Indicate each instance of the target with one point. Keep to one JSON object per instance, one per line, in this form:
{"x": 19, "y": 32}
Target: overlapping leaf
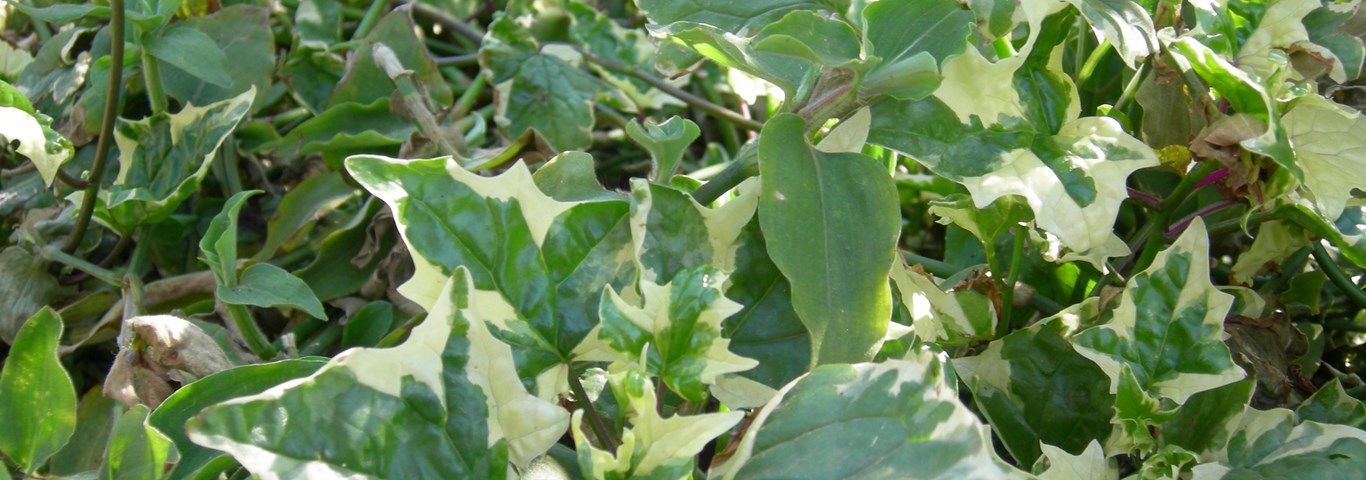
{"x": 36, "y": 395}
{"x": 1268, "y": 444}
{"x": 451, "y": 388}
{"x": 946, "y": 318}
{"x": 532, "y": 81}
{"x": 43, "y": 146}
{"x": 548, "y": 259}
{"x": 1168, "y": 329}
{"x": 1330, "y": 149}
{"x": 671, "y": 232}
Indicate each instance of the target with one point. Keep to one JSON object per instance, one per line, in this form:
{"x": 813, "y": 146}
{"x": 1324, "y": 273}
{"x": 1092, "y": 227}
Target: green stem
{"x": 467, "y": 99}
{"x": 469, "y": 32}
{"x": 1340, "y": 279}
{"x": 729, "y": 137}
{"x": 1003, "y": 48}
{"x": 743, "y": 167}
{"x": 40, "y": 27}
{"x": 938, "y": 268}
{"x": 1170, "y": 204}
{"x": 138, "y": 261}
{"x": 1093, "y": 61}
{"x": 52, "y": 253}
{"x": 1132, "y": 87}
{"x": 693, "y": 100}
{"x": 251, "y": 333}
{"x": 368, "y": 21}
{"x": 320, "y": 343}
{"x": 151, "y": 77}
{"x": 609, "y": 442}
{"x": 1013, "y": 276}
{"x": 396, "y": 337}
{"x": 111, "y": 112}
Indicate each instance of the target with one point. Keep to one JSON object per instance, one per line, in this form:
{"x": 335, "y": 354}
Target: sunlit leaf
{"x": 46, "y": 148}
{"x": 1268, "y": 444}
{"x": 37, "y": 398}
{"x": 1330, "y": 148}
{"x": 266, "y": 285}
{"x": 532, "y": 81}
{"x": 136, "y": 451}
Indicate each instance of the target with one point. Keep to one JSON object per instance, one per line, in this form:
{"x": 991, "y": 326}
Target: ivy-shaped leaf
{"x": 242, "y": 34}
{"x": 674, "y": 333}
{"x": 1034, "y": 388}
{"x": 548, "y": 259}
{"x": 37, "y": 398}
{"x": 1268, "y": 444}
{"x": 1330, "y": 149}
{"x": 451, "y": 387}
{"x": 666, "y": 142}
{"x": 1090, "y": 464}
{"x": 604, "y": 37}
{"x": 653, "y": 446}
{"x": 819, "y": 427}
{"x": 1203, "y": 424}
{"x": 162, "y": 159}
{"x": 948, "y": 318}
{"x": 831, "y": 224}
{"x": 1331, "y": 404}
{"x": 1282, "y": 28}
{"x": 1328, "y": 27}
{"x": 1124, "y": 23}
{"x": 1168, "y": 329}
{"x": 671, "y": 232}
{"x": 532, "y": 81}
{"x": 43, "y": 146}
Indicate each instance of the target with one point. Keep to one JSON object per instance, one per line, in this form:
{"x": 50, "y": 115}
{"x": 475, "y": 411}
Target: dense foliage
{"x": 1074, "y": 239}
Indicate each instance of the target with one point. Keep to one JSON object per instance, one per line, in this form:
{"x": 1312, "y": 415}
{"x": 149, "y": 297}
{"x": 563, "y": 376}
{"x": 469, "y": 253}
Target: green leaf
{"x": 451, "y": 387}
{"x": 37, "y": 398}
{"x": 318, "y": 23}
{"x": 191, "y": 51}
{"x": 364, "y": 82}
{"x": 162, "y": 159}
{"x": 671, "y": 232}
{"x": 570, "y": 177}
{"x": 1090, "y": 464}
{"x": 348, "y": 129}
{"x": 1168, "y": 328}
{"x": 1331, "y": 404}
{"x": 985, "y": 223}
{"x": 548, "y": 259}
{"x": 674, "y": 332}
{"x": 531, "y": 81}
{"x": 1124, "y": 23}
{"x": 831, "y": 224}
{"x": 913, "y": 38}
{"x": 1329, "y": 26}
{"x": 1078, "y": 175}
{"x": 331, "y": 279}
{"x": 170, "y": 417}
{"x": 46, "y": 148}
{"x": 898, "y": 419}
{"x": 1268, "y": 444}
{"x": 368, "y": 325}
{"x": 946, "y": 318}
{"x": 1033, "y": 387}
{"x": 266, "y": 285}
{"x": 301, "y": 207}
{"x": 243, "y": 34}
{"x": 63, "y": 13}
{"x": 94, "y": 421}
{"x": 1330, "y": 149}
{"x": 1205, "y": 421}
{"x": 219, "y": 244}
{"x": 602, "y": 35}
{"x": 653, "y": 446}
{"x": 767, "y": 329}
{"x": 1274, "y": 241}
{"x": 1282, "y": 28}
{"x": 666, "y": 142}
{"x": 26, "y": 286}
{"x": 136, "y": 451}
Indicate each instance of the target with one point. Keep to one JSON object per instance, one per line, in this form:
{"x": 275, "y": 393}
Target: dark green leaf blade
{"x": 37, "y": 398}
{"x": 266, "y": 285}
{"x": 191, "y": 51}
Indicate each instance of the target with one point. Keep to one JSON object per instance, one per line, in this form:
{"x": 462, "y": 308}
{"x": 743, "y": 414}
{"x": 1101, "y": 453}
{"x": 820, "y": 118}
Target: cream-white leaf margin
{"x": 973, "y": 85}
{"x": 1330, "y": 148}
{"x": 18, "y": 125}
{"x": 935, "y": 314}
{"x": 1282, "y": 27}
{"x": 1091, "y": 464}
{"x": 653, "y": 439}
{"x": 1302, "y": 439}
{"x": 723, "y": 223}
{"x": 529, "y": 425}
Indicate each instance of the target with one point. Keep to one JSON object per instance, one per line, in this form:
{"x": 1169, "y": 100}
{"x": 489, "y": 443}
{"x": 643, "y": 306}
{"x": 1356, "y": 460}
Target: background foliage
{"x": 682, "y": 239}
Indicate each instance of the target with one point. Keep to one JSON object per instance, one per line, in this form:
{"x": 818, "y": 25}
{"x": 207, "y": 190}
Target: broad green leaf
{"x": 43, "y": 146}
{"x": 653, "y": 446}
{"x": 896, "y": 419}
{"x": 1205, "y": 421}
{"x": 835, "y": 42}
{"x": 1168, "y": 329}
{"x": 451, "y": 388}
{"x": 1090, "y": 464}
{"x": 767, "y": 329}
{"x": 1331, "y": 26}
{"x": 666, "y": 142}
{"x": 63, "y": 13}
{"x": 1274, "y": 241}
{"x": 548, "y": 259}
{"x": 601, "y": 34}
{"x": 368, "y": 325}
{"x": 1282, "y": 28}
{"x": 219, "y": 244}
{"x": 738, "y": 18}
{"x": 986, "y": 223}
{"x": 318, "y": 23}
{"x": 300, "y": 207}
{"x": 37, "y": 398}
{"x": 1330, "y": 148}
{"x": 532, "y": 81}
{"x": 189, "y": 400}
{"x": 570, "y": 177}
{"x": 365, "y": 82}
{"x": 912, "y": 39}
{"x": 191, "y": 51}
{"x": 266, "y": 285}
{"x": 136, "y": 450}
{"x": 242, "y": 33}
{"x": 162, "y": 159}
{"x": 352, "y": 240}
{"x": 1331, "y": 404}
{"x": 1124, "y": 23}
{"x": 348, "y": 129}
{"x": 1244, "y": 94}
{"x": 674, "y": 332}
{"x": 94, "y": 420}
{"x": 1077, "y": 176}
{"x": 946, "y": 318}
{"x": 26, "y": 286}
{"x": 831, "y": 224}
{"x": 1033, "y": 388}
{"x": 671, "y": 232}
{"x": 1268, "y": 444}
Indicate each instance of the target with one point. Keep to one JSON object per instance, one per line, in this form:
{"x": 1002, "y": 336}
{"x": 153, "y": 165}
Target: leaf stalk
{"x": 111, "y": 111}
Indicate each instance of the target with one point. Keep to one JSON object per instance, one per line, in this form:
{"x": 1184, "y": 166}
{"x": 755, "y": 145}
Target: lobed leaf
{"x": 43, "y": 146}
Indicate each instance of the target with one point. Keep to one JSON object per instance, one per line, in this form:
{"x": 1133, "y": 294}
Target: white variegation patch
{"x": 1330, "y": 148}
{"x": 18, "y": 126}
{"x": 1091, "y": 464}
{"x": 724, "y": 224}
